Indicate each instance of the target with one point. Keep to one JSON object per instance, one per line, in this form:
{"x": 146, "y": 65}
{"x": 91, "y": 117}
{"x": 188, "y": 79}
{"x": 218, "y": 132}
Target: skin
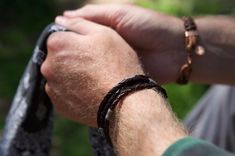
{"x": 159, "y": 41}
{"x": 146, "y": 31}
{"x": 144, "y": 125}
{"x": 83, "y": 65}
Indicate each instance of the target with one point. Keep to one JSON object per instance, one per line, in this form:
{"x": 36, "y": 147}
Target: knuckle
{"x": 55, "y": 42}
{"x": 47, "y": 89}
{"x": 50, "y": 92}
{"x": 46, "y": 70}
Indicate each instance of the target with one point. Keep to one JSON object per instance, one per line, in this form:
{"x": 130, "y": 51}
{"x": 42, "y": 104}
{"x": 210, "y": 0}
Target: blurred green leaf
{"x": 182, "y": 98}
{"x": 71, "y": 138}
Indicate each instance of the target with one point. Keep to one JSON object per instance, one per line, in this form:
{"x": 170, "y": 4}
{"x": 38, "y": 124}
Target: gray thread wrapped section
{"x": 99, "y": 144}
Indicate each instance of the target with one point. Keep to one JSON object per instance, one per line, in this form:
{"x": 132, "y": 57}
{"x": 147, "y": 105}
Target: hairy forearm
{"x": 144, "y": 125}
{"x": 217, "y": 65}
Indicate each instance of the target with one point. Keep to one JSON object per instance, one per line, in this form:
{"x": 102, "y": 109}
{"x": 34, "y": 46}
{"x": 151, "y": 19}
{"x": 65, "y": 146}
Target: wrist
{"x": 168, "y": 53}
{"x": 139, "y": 122}
{"x": 217, "y": 36}
{"x": 203, "y": 68}
{"x": 178, "y": 49}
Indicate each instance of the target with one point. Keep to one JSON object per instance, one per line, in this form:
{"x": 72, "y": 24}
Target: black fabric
{"x": 99, "y": 144}
{"x": 28, "y": 127}
{"x": 29, "y": 123}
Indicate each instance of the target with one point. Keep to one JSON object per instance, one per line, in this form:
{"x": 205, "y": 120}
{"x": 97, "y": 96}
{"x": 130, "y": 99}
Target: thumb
{"x": 105, "y": 14}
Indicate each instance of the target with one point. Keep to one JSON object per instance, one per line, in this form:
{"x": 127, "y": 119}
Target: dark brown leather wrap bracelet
{"x": 122, "y": 89}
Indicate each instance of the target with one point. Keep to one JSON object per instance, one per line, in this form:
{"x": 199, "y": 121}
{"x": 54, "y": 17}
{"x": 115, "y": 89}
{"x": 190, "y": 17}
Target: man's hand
{"x": 157, "y": 38}
{"x": 83, "y": 65}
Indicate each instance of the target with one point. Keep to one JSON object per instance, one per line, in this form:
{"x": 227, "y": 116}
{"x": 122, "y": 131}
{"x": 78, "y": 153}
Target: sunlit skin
{"x": 104, "y": 47}
{"x": 159, "y": 41}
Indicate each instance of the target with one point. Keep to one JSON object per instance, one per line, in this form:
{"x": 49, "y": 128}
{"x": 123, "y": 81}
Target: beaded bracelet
{"x": 192, "y": 46}
{"x": 122, "y": 89}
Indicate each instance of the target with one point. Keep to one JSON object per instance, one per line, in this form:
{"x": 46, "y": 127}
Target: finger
{"x": 60, "y": 41}
{"x": 60, "y": 104}
{"x": 50, "y": 92}
{"x": 59, "y": 44}
{"x": 108, "y": 14}
{"x": 78, "y": 25}
{"x": 45, "y": 70}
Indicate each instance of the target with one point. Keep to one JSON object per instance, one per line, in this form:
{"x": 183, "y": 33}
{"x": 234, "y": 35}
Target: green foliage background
{"x": 22, "y": 21}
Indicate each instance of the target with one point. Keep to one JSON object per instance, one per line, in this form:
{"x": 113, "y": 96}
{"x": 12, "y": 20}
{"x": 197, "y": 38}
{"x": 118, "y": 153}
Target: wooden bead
{"x": 200, "y": 50}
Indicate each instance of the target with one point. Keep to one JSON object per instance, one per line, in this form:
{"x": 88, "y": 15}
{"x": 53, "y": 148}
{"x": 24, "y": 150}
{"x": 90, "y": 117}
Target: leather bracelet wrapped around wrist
{"x": 122, "y": 89}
